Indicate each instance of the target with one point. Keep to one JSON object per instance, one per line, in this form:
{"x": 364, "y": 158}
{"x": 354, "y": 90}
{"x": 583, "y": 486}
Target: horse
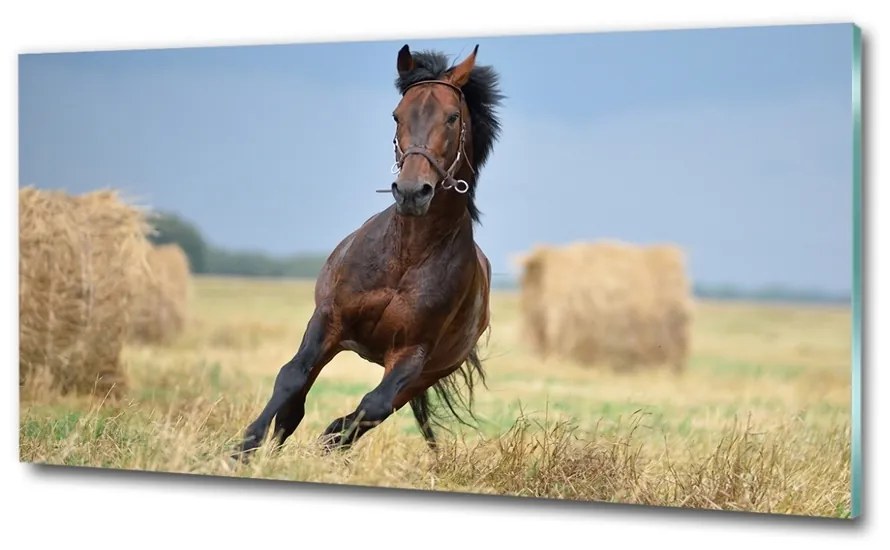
{"x": 409, "y": 289}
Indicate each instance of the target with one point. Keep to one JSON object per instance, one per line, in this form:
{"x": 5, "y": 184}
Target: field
{"x": 759, "y": 421}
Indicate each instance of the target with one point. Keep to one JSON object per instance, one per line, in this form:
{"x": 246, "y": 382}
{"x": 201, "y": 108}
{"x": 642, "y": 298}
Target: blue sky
{"x": 733, "y": 143}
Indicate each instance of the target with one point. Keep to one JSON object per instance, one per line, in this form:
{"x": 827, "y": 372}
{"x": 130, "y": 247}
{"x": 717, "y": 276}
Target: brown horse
{"x": 408, "y": 290}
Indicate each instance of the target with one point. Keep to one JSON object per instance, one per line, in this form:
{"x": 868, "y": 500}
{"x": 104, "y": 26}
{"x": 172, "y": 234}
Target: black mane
{"x": 482, "y": 96}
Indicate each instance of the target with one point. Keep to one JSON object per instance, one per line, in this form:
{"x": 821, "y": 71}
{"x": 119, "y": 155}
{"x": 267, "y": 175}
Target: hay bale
{"x": 607, "y": 303}
{"x": 161, "y": 305}
{"x": 80, "y": 259}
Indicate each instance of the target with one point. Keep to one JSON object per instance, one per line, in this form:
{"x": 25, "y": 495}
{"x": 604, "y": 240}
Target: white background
{"x": 49, "y": 508}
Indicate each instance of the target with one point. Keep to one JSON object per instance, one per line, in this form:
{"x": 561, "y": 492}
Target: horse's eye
{"x": 453, "y": 118}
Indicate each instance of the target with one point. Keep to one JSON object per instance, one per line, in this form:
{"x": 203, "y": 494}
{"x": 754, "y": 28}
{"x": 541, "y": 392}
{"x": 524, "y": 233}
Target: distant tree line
{"x": 769, "y": 294}
{"x": 213, "y": 260}
{"x": 731, "y": 292}
{"x": 172, "y": 229}
{"x": 258, "y": 264}
{"x": 208, "y": 259}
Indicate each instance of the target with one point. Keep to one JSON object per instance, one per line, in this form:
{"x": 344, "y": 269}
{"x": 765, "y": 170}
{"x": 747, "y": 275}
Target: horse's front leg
{"x": 402, "y": 372}
{"x": 287, "y": 405}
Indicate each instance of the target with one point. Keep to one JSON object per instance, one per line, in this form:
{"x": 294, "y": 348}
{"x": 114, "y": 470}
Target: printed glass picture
{"x": 611, "y": 267}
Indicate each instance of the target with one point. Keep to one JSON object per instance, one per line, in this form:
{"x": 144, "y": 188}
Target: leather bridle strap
{"x": 442, "y": 82}
{"x": 424, "y": 152}
{"x": 447, "y": 179}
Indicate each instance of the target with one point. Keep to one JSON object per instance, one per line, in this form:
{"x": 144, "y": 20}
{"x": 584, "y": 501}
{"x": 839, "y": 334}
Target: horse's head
{"x": 432, "y": 136}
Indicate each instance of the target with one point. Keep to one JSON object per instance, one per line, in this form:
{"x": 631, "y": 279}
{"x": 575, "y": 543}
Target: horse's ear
{"x": 460, "y": 74}
{"x": 405, "y": 63}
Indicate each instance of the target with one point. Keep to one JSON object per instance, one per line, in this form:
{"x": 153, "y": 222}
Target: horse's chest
{"x": 377, "y": 314}
{"x": 379, "y": 321}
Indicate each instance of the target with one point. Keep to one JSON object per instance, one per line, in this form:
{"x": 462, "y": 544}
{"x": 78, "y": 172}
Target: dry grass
{"x": 81, "y": 259}
{"x": 759, "y": 421}
{"x": 161, "y": 306}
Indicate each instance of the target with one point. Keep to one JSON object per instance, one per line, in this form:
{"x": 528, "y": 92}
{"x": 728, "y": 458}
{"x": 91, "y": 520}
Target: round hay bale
{"x": 607, "y": 302}
{"x": 161, "y": 306}
{"x": 80, "y": 260}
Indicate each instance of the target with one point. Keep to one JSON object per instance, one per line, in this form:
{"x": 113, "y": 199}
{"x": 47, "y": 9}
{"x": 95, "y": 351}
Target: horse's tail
{"x": 453, "y": 394}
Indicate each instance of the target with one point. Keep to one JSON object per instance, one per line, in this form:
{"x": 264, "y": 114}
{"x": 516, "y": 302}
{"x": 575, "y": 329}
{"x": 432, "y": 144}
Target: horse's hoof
{"x": 245, "y": 450}
{"x": 232, "y": 461}
{"x": 333, "y": 442}
{"x": 239, "y": 457}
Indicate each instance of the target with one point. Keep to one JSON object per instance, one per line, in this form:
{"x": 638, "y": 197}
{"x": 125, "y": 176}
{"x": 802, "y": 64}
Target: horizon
{"x": 733, "y": 143}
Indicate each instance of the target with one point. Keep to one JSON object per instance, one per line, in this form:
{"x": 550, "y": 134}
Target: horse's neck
{"x": 448, "y": 219}
{"x": 416, "y": 238}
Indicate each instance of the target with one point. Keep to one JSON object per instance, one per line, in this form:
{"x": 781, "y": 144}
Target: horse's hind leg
{"x": 287, "y": 404}
{"x": 379, "y": 404}
{"x": 420, "y": 406}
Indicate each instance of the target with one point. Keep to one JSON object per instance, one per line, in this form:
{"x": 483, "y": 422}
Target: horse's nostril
{"x": 426, "y": 189}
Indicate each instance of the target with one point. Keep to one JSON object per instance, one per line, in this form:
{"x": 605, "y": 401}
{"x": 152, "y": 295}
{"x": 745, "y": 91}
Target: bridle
{"x": 447, "y": 180}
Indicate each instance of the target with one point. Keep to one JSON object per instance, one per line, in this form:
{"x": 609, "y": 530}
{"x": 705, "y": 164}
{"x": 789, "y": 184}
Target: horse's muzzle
{"x": 412, "y": 199}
